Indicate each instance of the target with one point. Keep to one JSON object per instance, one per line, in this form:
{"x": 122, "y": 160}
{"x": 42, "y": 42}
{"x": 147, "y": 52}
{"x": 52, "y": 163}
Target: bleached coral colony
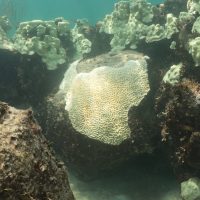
{"x": 98, "y": 102}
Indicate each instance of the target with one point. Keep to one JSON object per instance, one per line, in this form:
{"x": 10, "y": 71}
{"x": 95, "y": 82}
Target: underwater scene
{"x": 100, "y": 100}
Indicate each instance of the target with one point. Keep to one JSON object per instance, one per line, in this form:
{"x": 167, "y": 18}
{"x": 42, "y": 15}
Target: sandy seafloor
{"x": 140, "y": 182}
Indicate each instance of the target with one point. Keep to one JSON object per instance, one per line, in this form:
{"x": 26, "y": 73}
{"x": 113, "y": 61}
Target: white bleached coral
{"x": 98, "y": 101}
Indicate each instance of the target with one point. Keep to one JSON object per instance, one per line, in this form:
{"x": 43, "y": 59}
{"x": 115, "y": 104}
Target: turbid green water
{"x": 23, "y": 10}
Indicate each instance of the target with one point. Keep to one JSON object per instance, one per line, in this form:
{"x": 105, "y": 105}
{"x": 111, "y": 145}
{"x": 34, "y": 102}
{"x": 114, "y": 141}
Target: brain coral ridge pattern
{"x": 98, "y": 102}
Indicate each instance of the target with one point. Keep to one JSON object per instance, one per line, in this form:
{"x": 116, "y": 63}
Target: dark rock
{"x": 24, "y": 80}
{"x": 28, "y": 166}
{"x": 178, "y": 108}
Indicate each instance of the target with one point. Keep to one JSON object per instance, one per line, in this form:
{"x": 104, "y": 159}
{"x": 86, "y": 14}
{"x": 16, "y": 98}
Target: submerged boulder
{"x": 179, "y": 107}
{"x": 28, "y": 167}
{"x": 97, "y": 116}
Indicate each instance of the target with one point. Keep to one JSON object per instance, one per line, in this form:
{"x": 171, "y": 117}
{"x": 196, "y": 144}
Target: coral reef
{"x": 29, "y": 169}
{"x": 188, "y": 24}
{"x": 156, "y": 32}
{"x": 4, "y": 23}
{"x": 27, "y": 77}
{"x": 103, "y": 113}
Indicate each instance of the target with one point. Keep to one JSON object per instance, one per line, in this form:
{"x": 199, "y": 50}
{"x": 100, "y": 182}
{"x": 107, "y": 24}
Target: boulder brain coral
{"x": 98, "y": 101}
